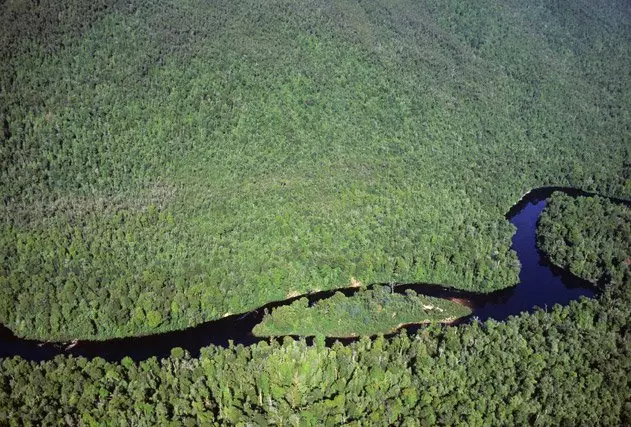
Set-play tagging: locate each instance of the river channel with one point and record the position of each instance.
(540, 285)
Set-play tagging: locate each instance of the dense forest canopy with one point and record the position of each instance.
(559, 366)
(589, 236)
(565, 366)
(164, 163)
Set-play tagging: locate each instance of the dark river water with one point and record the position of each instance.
(541, 285)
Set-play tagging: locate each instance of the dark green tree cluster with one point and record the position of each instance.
(48, 22)
(568, 366)
(590, 236)
(366, 312)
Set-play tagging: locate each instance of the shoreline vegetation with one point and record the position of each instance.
(355, 306)
(441, 375)
(368, 312)
(350, 305)
(588, 236)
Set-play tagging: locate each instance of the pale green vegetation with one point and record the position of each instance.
(367, 312)
(166, 162)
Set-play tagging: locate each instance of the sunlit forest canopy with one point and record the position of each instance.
(163, 163)
(166, 162)
(566, 366)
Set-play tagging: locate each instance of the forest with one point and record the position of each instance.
(565, 366)
(367, 312)
(589, 236)
(165, 163)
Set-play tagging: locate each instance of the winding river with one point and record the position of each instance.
(541, 285)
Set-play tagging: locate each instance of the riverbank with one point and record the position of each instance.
(541, 285)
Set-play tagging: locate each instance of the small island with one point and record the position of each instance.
(368, 312)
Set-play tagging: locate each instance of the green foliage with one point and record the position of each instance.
(257, 149)
(367, 312)
(590, 236)
(165, 162)
(567, 366)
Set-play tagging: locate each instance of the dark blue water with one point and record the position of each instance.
(541, 285)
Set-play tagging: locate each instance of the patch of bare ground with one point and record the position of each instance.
(431, 307)
(355, 283)
(462, 301)
(292, 294)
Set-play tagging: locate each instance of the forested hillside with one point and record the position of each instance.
(561, 366)
(164, 162)
(565, 366)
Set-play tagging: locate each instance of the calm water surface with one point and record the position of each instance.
(541, 285)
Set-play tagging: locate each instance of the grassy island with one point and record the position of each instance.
(367, 312)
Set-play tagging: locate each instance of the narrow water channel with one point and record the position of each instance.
(541, 285)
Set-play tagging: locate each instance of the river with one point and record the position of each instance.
(540, 285)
